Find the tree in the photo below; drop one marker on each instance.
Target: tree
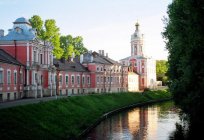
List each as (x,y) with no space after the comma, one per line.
(184,41)
(37,23)
(48,32)
(161,71)
(72,45)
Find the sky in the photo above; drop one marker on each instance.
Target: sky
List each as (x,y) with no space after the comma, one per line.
(104,24)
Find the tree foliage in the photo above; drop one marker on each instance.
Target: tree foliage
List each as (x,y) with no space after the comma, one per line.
(48,32)
(72,45)
(161,70)
(184,34)
(64,46)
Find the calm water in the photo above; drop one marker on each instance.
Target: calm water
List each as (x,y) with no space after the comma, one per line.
(154,122)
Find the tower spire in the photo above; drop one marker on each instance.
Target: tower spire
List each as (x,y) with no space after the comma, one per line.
(137,25)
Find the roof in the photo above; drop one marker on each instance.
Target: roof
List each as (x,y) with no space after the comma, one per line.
(21,20)
(7,58)
(135,57)
(21,31)
(74,66)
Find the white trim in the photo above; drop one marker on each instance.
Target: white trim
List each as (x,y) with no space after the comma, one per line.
(27,50)
(8,79)
(15,78)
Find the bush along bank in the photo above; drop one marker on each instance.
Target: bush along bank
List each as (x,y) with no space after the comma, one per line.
(66,118)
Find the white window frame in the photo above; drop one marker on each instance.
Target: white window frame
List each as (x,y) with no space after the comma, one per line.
(83,79)
(78,80)
(72,79)
(15,77)
(88,80)
(8,78)
(67,79)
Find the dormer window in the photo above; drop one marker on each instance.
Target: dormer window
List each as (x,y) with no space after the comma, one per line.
(18,30)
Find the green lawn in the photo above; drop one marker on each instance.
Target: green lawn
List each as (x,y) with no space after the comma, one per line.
(65,118)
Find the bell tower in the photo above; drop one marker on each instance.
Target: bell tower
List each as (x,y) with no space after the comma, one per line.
(137,42)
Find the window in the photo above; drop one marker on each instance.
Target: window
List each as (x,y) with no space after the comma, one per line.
(1,77)
(78,80)
(14,95)
(15,78)
(67,79)
(36,77)
(21,77)
(66,91)
(97,79)
(101,79)
(88,79)
(83,80)
(8,96)
(8,77)
(72,80)
(101,68)
(35,56)
(97,68)
(60,79)
(72,91)
(41,58)
(1,97)
(41,79)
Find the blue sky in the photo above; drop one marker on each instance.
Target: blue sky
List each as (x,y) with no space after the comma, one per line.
(104,24)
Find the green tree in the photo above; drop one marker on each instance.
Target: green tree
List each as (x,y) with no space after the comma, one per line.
(184,34)
(48,32)
(72,44)
(37,23)
(161,71)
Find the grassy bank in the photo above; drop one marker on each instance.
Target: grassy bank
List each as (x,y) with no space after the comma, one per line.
(65,118)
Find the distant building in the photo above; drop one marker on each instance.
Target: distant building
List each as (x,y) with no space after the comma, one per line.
(133,82)
(144,66)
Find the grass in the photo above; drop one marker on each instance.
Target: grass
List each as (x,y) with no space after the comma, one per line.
(65,118)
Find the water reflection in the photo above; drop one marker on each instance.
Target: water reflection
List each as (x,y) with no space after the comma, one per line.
(154,122)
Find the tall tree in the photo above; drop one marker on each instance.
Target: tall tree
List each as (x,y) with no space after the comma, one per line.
(184,33)
(37,23)
(48,32)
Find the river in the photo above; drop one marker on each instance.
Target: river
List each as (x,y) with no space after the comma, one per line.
(152,122)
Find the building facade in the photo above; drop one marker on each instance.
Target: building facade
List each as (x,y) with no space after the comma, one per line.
(36,56)
(106,74)
(11,77)
(143,65)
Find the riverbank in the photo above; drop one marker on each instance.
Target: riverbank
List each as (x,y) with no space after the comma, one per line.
(65,118)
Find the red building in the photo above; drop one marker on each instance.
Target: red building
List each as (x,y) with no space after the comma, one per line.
(21,43)
(71,77)
(27,68)
(106,74)
(11,77)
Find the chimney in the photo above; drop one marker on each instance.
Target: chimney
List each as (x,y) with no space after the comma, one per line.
(102,52)
(107,55)
(81,58)
(91,59)
(1,32)
(99,52)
